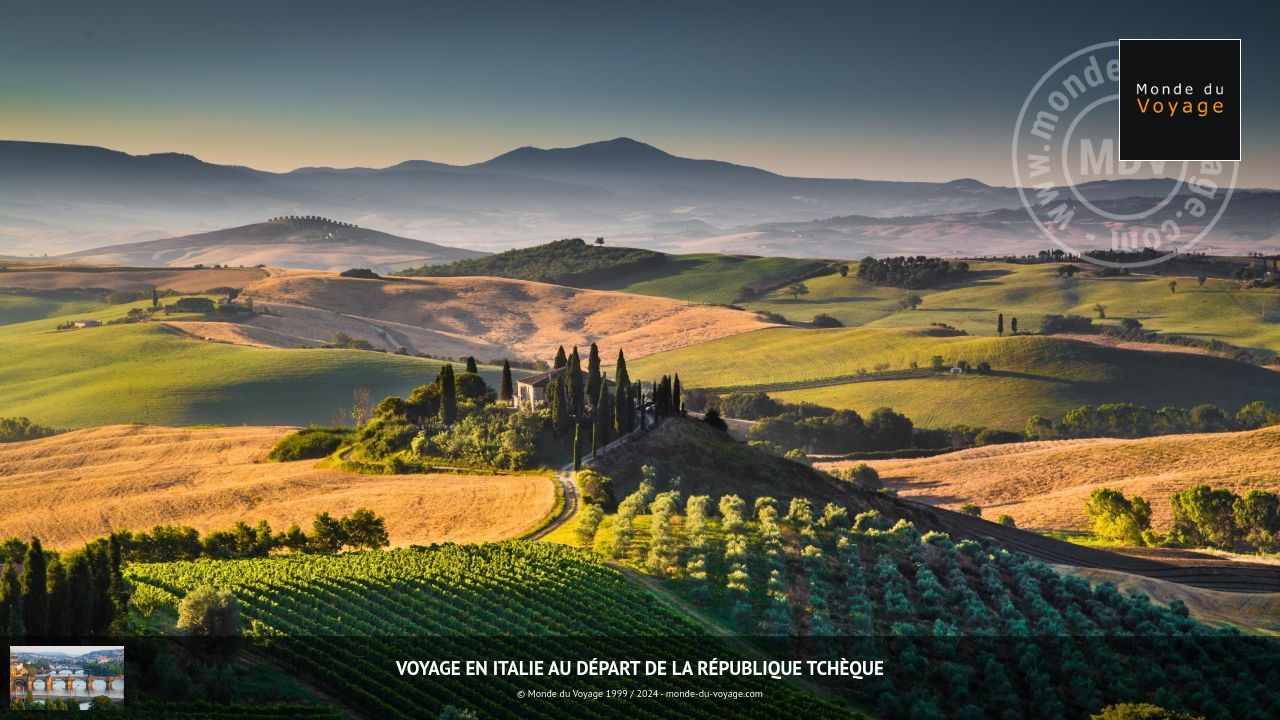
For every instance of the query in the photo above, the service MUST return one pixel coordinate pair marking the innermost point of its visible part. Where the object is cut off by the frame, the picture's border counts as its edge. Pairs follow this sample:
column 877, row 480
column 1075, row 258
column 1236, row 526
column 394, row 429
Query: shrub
column 1115, row 517
column 1051, row 324
column 1006, row 520
column 309, row 444
column 712, row 418
column 862, row 475
column 970, row 509
column 823, row 320
column 992, row 436
column 595, row 489
column 210, row 613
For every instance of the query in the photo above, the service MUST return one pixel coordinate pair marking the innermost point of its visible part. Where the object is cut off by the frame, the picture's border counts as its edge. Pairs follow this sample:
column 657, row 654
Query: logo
column 1082, row 196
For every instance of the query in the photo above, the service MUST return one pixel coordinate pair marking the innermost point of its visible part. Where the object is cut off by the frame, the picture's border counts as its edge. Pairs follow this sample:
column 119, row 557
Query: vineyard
column 343, row 621
column 973, row 631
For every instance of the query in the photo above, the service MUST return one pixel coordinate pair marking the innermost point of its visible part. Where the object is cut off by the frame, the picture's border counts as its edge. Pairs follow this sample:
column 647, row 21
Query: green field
column 710, row 278
column 349, row 618
column 1248, row 318
column 1031, row 374
column 23, row 308
column 150, row 373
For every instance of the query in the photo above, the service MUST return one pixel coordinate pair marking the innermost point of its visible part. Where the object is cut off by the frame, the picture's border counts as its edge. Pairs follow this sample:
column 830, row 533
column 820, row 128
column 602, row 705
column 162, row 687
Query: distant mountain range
column 65, row 198
column 316, row 244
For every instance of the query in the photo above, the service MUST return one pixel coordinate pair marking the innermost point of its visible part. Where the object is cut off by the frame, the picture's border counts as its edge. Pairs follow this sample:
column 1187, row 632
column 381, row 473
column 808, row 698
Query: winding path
column 565, row 478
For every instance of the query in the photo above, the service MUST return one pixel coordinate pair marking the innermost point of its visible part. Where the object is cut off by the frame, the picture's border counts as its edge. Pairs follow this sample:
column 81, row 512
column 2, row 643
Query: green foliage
column 712, row 418
column 1115, row 517
column 562, row 262
column 18, row 429
column 1204, row 516
column 343, row 341
column 486, row 436
column 910, row 272
column 209, row 612
column 1053, row 324
column 318, row 613
column 310, row 444
column 594, row 488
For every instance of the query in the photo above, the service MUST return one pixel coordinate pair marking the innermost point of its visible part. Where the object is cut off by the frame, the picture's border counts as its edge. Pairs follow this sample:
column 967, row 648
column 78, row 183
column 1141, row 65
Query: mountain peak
column 621, row 148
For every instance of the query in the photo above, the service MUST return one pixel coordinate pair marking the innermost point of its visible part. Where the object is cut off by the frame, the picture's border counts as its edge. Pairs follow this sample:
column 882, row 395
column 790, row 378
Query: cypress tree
column 637, row 403
column 677, row 400
column 471, row 365
column 35, row 591
column 505, row 390
column 576, row 386
column 644, row 417
column 1000, row 324
column 623, row 410
column 11, row 602
column 80, row 589
column 448, row 395
column 155, row 298
column 558, row 405
column 577, row 446
column 59, row 598
column 103, row 605
column 561, row 361
column 593, row 373
column 604, row 419
column 1013, row 326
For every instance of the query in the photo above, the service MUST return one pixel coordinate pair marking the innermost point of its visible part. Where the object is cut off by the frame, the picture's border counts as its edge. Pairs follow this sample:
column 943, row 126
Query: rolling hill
column 311, row 244
column 1031, row 374
column 1044, row 485
column 704, row 277
column 487, row 317
column 152, row 373
column 134, row 477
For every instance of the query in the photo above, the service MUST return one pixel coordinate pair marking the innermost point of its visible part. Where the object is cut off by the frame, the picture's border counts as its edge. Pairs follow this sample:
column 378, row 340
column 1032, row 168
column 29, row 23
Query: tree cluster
column 914, row 272
column 362, row 529
column 44, row 593
column 1126, row 420
column 562, row 262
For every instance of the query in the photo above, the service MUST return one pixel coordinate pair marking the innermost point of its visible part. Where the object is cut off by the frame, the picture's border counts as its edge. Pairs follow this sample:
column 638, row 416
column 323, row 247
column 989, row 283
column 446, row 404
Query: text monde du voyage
column 1182, row 99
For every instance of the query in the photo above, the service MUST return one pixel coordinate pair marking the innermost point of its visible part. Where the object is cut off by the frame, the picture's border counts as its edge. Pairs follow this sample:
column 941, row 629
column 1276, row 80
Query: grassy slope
column 152, row 374
column 709, row 277
column 1249, row 318
column 24, row 308
column 1033, row 374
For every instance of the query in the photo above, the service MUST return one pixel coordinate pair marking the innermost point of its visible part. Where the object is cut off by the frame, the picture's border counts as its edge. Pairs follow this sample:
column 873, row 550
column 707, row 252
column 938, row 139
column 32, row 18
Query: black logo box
column 1189, row 63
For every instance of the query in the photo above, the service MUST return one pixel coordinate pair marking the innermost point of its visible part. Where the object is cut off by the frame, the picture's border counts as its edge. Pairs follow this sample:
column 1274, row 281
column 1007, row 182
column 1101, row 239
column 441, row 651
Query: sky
column 898, row 91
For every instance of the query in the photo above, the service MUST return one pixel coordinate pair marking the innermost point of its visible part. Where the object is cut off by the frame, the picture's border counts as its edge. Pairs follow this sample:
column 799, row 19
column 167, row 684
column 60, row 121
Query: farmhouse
column 88, row 323
column 191, row 304
column 531, row 390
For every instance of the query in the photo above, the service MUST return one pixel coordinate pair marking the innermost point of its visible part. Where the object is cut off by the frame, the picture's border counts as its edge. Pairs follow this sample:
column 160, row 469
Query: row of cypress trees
column 45, row 594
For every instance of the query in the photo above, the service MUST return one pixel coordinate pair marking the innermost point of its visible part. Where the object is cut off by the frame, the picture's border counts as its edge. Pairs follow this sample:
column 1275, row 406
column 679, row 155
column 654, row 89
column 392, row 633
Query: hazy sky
column 877, row 90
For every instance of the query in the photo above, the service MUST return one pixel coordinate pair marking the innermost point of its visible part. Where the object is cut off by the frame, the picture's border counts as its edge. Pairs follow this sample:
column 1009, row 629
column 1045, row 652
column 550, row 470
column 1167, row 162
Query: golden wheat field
column 1044, row 485
column 80, row 485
